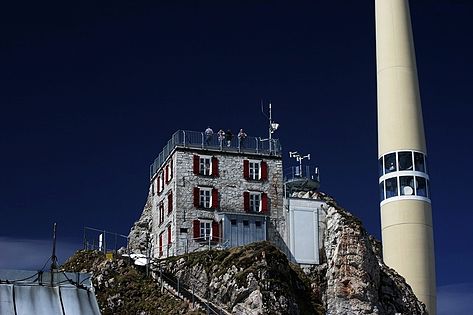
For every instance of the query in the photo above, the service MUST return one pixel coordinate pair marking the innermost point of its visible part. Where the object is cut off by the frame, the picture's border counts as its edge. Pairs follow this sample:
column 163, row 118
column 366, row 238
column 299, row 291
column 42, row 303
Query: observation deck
column 198, row 140
column 305, row 178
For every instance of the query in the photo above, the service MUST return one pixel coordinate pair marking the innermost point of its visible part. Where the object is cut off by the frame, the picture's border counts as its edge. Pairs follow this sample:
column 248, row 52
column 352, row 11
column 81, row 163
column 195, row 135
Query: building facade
column 208, row 192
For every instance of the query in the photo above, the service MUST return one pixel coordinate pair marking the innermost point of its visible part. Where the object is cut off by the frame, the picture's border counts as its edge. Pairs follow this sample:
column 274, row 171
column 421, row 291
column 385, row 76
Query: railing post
column 193, row 296
column 202, row 139
column 161, row 277
column 184, row 135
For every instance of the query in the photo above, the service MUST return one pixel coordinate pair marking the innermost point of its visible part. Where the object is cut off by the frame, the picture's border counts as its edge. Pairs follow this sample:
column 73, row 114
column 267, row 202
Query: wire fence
column 104, row 241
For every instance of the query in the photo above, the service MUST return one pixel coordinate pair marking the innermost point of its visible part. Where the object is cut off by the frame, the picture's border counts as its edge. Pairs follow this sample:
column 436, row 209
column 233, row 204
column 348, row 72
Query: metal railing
column 104, row 241
column 306, row 171
column 185, row 291
column 195, row 139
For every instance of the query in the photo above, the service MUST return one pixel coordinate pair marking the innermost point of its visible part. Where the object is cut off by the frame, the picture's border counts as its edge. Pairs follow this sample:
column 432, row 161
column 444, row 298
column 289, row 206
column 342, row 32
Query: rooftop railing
column 296, row 173
column 216, row 142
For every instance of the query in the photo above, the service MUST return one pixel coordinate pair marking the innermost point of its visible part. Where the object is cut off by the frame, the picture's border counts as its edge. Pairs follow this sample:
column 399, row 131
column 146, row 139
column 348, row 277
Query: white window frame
column 205, row 226
column 202, row 162
column 254, row 169
column 162, row 181
column 255, row 202
column 203, row 201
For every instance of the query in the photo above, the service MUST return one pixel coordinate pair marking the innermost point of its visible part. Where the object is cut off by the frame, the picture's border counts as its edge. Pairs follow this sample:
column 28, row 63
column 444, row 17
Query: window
column 206, row 230
column 205, row 165
column 419, row 162
column 233, row 222
column 406, row 184
column 390, row 163
column 246, row 223
column 161, row 182
column 381, row 191
column 205, row 197
column 170, row 207
column 405, row 161
column 421, row 186
column 169, row 235
column 255, row 202
column 255, row 170
column 160, row 244
column 161, row 212
column 258, row 224
column 183, row 230
column 391, row 187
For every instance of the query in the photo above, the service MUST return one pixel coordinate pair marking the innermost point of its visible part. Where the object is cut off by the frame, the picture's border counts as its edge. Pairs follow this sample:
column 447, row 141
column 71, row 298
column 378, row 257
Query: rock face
column 253, row 279
column 141, row 228
column 257, row 279
column 356, row 279
column 122, row 288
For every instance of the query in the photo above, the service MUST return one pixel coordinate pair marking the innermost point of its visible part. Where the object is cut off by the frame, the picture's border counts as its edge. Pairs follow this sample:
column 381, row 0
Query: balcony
column 197, row 140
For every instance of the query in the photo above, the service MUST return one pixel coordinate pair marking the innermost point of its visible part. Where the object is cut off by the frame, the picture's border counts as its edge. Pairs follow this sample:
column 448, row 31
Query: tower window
column 421, row 186
column 390, row 163
column 407, row 185
column 405, row 161
column 391, row 187
column 381, row 191
column 419, row 162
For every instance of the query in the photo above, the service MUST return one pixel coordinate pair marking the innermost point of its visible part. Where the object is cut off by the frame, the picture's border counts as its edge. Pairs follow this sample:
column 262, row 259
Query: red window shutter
column 196, row 197
column 160, row 244
column 214, row 198
column 159, row 184
column 166, row 174
column 214, row 166
column 170, row 203
column 196, row 164
column 169, row 235
column 264, row 170
column 215, row 231
column 246, row 201
column 246, row 169
column 264, row 203
column 196, row 226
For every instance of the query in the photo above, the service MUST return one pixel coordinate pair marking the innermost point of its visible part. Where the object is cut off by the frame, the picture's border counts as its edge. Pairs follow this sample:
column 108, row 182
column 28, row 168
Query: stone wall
column 230, row 184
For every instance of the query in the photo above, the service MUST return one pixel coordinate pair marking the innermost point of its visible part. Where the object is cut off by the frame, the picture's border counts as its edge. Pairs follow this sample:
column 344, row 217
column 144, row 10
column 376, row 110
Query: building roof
column 31, row 292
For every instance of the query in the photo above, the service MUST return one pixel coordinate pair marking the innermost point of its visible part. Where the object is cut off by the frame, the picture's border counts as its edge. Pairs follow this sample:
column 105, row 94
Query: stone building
column 208, row 191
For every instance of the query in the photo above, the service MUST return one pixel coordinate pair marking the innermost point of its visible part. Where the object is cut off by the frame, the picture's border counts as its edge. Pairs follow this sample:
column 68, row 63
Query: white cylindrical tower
column 406, row 213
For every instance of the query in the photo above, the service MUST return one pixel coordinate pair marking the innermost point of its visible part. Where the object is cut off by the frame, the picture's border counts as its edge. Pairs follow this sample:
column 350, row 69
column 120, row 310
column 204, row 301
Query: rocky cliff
column 258, row 279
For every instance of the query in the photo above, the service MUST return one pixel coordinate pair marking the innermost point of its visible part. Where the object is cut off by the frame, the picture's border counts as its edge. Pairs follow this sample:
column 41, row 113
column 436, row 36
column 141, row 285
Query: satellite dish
column 408, row 190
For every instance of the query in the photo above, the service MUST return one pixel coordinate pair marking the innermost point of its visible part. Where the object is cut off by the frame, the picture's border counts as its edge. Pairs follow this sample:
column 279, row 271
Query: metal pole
column 161, row 277
column 193, row 296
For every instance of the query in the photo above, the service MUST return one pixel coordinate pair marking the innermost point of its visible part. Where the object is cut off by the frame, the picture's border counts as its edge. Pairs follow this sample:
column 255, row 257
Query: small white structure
column 305, row 216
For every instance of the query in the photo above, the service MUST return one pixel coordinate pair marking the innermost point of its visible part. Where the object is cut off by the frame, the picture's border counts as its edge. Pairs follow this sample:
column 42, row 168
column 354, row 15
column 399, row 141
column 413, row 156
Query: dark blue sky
column 90, row 93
